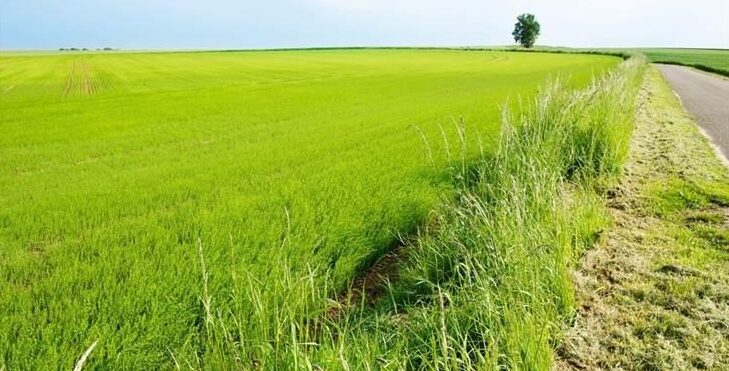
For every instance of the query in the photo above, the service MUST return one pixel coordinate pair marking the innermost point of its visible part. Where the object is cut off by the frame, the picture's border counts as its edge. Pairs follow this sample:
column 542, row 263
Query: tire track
column 83, row 81
column 8, row 89
column 70, row 79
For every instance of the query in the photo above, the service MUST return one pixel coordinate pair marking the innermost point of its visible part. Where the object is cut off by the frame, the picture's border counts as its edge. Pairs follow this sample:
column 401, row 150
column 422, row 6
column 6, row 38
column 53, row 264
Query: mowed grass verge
column 118, row 171
column 654, row 292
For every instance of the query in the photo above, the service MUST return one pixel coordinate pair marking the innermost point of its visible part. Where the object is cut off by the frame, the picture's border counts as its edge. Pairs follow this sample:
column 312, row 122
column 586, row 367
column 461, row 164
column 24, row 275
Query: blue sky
column 186, row 24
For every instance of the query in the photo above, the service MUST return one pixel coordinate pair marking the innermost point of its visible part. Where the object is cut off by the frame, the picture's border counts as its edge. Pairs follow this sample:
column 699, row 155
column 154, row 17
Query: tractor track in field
column 69, row 79
column 81, row 80
column 8, row 89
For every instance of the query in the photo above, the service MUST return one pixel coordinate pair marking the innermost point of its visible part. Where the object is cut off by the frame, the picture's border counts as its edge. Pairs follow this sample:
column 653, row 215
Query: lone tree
column 526, row 30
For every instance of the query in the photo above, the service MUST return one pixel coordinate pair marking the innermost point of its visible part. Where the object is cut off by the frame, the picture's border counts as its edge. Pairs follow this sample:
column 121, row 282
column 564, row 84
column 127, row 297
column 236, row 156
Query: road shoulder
column 654, row 293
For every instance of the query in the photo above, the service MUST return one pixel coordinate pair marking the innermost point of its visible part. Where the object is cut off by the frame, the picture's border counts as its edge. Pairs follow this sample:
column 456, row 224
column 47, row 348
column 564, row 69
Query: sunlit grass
column 489, row 287
column 117, row 170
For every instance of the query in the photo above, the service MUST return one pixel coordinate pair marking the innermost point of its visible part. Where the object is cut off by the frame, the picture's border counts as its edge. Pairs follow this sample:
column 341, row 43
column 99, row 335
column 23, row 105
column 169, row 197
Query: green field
column 711, row 60
column 117, row 170
column 715, row 60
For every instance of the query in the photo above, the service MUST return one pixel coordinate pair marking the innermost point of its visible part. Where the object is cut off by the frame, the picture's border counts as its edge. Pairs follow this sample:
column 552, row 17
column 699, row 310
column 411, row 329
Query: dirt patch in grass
column 372, row 284
column 654, row 293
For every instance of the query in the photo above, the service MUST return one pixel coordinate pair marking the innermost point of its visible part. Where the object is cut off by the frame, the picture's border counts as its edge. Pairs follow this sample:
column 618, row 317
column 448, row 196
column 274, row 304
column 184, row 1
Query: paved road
column 706, row 97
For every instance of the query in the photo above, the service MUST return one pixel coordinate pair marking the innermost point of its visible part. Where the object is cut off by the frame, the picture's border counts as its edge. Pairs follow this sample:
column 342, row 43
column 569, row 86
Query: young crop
column 490, row 287
column 209, row 208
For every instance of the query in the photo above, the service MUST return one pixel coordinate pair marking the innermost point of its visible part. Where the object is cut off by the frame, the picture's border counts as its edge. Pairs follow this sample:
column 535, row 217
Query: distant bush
column 86, row 49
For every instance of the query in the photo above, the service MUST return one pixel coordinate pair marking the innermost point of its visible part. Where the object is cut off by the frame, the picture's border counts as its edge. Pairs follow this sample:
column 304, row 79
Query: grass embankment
column 710, row 60
column 489, row 286
column 655, row 293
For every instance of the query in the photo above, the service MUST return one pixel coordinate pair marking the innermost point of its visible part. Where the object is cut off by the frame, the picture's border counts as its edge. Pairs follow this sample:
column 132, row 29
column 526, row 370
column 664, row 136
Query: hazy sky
column 145, row 24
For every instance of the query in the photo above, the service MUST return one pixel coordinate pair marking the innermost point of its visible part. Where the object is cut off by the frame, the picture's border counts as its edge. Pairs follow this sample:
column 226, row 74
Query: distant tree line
column 84, row 49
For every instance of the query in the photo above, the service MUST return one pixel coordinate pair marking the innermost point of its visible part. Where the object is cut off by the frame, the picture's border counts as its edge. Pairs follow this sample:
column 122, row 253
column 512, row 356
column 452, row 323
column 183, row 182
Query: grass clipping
column 491, row 286
column 654, row 295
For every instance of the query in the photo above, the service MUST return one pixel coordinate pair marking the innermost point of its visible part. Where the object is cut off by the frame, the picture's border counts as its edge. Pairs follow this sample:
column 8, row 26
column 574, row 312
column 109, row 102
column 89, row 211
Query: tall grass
column 489, row 288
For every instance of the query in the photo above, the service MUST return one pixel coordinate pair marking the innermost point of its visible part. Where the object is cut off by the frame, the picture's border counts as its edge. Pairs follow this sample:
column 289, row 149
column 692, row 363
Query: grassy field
column 713, row 60
column 120, row 173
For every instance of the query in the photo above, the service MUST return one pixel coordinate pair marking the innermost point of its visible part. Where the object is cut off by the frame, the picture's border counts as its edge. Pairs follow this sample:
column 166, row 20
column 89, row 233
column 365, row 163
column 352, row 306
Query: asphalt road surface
column 706, row 96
